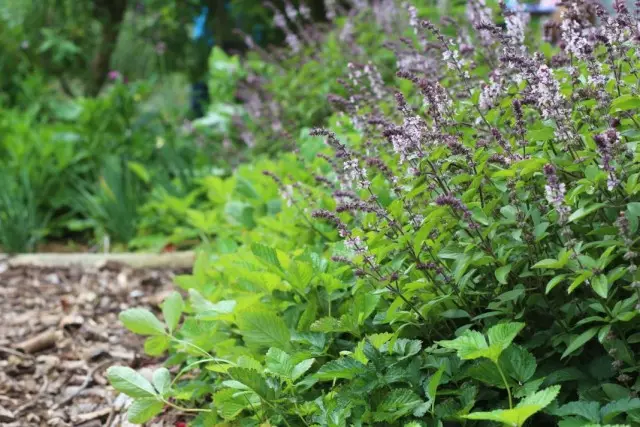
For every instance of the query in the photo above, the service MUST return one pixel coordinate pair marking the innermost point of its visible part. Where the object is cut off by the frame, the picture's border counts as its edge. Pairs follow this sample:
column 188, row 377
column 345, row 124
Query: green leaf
column 142, row 322
column 279, row 363
column 502, row 273
column 130, row 382
column 378, row 340
column 485, row 371
column 579, row 341
column 253, row 381
column 621, row 406
column 229, row 404
column 301, row 368
column 142, row 410
column 625, row 103
column 434, row 382
column 266, row 254
column 554, row 282
column 634, row 209
column 503, row 334
column 172, row 308
column 587, row 410
column 541, row 134
column 264, row 329
column 470, row 345
column 405, row 348
column 579, row 280
column 161, row 380
column 600, row 285
column 582, row 212
column 548, row 263
column 398, row 403
column 526, row 408
column 518, row 363
column 156, row 345
column 207, row 310
column 344, row 368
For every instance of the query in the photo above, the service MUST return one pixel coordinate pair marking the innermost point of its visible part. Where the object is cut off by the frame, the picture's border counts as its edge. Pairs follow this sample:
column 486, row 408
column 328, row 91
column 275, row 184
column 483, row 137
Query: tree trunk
column 110, row 13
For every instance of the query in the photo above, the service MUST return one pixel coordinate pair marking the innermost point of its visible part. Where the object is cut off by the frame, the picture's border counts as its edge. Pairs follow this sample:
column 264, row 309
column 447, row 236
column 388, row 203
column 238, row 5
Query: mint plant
column 461, row 250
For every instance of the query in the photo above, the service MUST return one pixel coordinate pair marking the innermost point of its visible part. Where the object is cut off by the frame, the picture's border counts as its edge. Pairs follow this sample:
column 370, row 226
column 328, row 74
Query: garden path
column 59, row 332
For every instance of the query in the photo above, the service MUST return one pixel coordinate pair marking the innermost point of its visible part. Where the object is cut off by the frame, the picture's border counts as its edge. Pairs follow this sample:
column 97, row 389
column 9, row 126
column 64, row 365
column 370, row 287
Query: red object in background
column 180, row 424
column 168, row 248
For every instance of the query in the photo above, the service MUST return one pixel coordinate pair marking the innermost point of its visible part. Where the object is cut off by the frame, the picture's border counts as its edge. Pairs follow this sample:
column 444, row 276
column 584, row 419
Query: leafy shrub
column 465, row 256
column 22, row 224
column 62, row 145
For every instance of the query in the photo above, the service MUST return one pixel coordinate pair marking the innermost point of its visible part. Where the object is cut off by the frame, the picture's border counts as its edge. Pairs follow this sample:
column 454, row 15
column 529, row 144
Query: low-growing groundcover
column 462, row 252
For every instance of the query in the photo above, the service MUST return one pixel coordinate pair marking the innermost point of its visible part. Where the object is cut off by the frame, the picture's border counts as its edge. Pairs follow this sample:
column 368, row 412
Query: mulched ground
column 59, row 332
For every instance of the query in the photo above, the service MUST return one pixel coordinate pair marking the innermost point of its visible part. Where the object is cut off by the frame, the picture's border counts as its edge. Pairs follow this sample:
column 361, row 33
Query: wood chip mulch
column 59, row 332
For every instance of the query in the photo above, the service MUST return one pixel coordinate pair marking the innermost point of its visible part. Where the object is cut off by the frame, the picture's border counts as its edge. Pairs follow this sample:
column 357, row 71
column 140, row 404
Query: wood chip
column 41, row 341
column 82, row 418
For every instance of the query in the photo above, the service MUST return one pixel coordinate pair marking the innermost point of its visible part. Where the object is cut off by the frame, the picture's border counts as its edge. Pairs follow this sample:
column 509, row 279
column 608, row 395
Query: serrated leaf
column 142, row 410
column 580, row 341
column 279, row 363
column 172, row 308
column 266, row 254
column 253, row 381
column 611, row 410
column 587, row 410
column 526, row 408
column 228, row 404
column 300, row 369
column 161, row 380
column 470, row 345
column 327, row 324
column 344, row 368
column 503, row 334
column 130, row 382
column 378, row 340
column 398, row 403
column 264, row 329
column 404, row 348
column 485, row 371
column 142, row 322
column 518, row 363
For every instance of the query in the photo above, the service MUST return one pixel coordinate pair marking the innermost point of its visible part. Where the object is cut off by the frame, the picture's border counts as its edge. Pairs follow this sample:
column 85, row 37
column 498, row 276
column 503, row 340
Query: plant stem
column 183, row 409
column 506, row 384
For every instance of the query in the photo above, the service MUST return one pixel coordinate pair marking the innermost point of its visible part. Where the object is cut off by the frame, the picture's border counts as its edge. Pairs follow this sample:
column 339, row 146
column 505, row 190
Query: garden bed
column 59, row 332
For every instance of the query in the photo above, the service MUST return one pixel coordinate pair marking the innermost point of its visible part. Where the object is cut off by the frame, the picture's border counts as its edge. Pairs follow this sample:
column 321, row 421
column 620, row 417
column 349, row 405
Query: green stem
column 506, row 384
column 183, row 409
column 189, row 366
column 204, row 352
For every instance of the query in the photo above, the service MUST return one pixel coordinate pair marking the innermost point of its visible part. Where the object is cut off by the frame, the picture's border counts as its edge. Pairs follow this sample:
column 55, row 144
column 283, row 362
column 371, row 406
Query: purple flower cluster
column 555, row 192
column 607, row 144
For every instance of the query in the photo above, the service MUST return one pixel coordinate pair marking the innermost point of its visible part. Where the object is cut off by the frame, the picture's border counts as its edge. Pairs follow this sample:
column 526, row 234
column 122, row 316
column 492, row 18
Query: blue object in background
column 534, row 9
column 200, row 30
column 200, row 90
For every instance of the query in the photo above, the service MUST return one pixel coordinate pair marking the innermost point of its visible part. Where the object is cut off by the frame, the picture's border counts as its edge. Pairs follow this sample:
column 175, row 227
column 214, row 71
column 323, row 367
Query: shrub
column 463, row 252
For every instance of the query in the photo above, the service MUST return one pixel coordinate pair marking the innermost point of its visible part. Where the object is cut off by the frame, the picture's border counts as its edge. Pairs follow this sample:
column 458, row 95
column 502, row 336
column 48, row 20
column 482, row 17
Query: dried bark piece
column 41, row 341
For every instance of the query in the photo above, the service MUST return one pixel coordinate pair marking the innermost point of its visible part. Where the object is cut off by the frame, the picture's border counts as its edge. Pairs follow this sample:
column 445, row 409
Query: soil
column 59, row 332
